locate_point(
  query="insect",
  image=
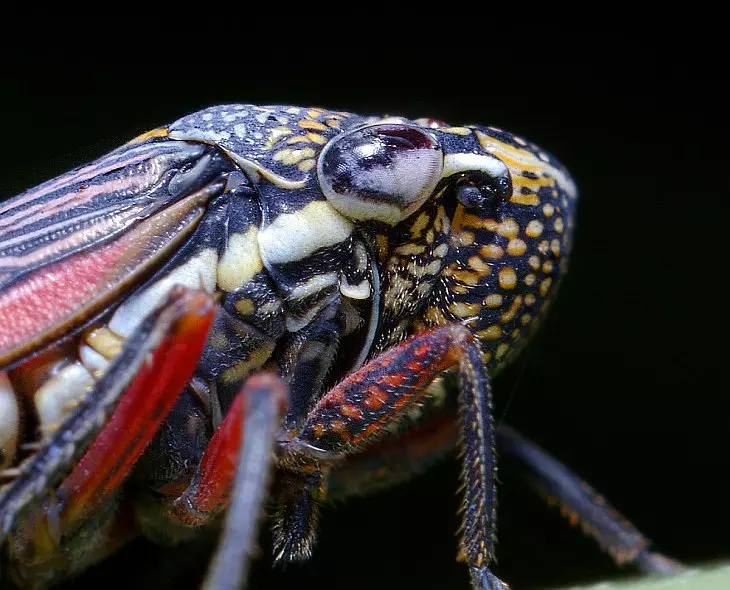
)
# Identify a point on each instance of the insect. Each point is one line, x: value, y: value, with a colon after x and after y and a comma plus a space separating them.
x: 260, y: 306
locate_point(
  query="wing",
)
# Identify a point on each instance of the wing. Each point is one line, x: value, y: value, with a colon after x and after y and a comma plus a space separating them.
x: 74, y: 244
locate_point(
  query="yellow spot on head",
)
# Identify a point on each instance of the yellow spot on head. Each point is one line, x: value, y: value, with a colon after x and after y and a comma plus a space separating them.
x: 492, y: 251
x: 464, y: 310
x: 545, y: 286
x: 310, y: 137
x: 534, y: 261
x: 493, y: 332
x: 526, y: 317
x: 478, y: 264
x: 516, y: 247
x: 501, y: 350
x: 507, y: 278
x: 290, y: 157
x: 555, y: 247
x: 455, y: 130
x: 525, y: 199
x: 410, y: 249
x: 534, y: 228
x: 530, y: 279
x: 463, y: 238
x: 419, y: 225
x: 513, y: 309
x: 493, y: 300
x: 547, y: 267
x: 307, y: 124
x: 317, y: 138
x: 548, y: 209
x: 558, y: 225
x: 530, y: 299
x: 509, y: 228
x: 473, y: 221
x: 466, y: 277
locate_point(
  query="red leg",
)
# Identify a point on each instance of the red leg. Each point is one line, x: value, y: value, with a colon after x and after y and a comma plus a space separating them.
x: 395, y: 460
x: 208, y: 494
x: 116, y: 421
x: 356, y: 412
x: 235, y: 469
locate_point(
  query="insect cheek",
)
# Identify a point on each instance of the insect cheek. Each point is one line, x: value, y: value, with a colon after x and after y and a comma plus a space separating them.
x: 383, y: 172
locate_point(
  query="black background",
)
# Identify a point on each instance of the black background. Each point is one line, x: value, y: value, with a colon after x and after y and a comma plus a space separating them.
x: 627, y: 380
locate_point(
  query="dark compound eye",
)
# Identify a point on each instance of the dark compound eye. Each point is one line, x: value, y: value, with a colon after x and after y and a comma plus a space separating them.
x: 383, y: 172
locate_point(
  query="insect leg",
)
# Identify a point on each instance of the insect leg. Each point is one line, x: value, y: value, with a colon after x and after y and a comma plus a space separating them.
x: 356, y: 412
x: 582, y: 505
x: 208, y: 495
x: 236, y: 467
x: 115, y: 422
x: 395, y: 460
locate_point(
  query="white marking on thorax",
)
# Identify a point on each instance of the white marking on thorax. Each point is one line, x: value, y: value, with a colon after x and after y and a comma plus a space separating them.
x: 294, y: 236
x: 93, y: 360
x: 199, y: 134
x: 198, y: 272
x: 313, y: 285
x: 359, y: 291
x: 9, y: 421
x: 58, y: 396
x: 240, y: 261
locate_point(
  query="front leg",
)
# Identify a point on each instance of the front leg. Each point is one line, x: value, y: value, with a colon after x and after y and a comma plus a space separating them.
x: 356, y: 412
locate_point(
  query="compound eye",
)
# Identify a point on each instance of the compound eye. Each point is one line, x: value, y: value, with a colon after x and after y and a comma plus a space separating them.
x: 383, y: 172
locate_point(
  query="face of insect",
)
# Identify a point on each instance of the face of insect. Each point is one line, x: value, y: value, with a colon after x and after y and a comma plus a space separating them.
x: 471, y: 225
x: 465, y: 224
